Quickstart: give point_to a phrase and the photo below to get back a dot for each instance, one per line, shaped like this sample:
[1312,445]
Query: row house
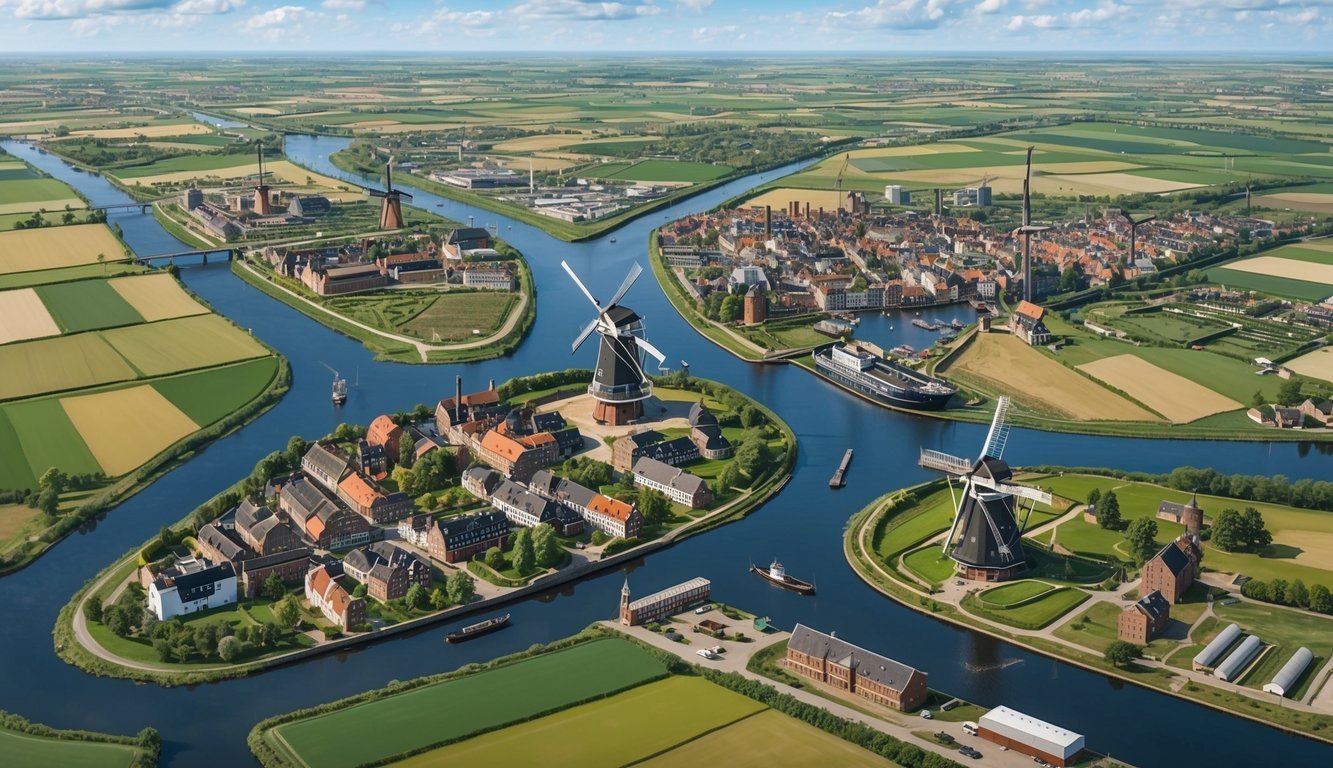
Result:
[839,664]
[368,501]
[325,465]
[386,570]
[329,597]
[458,539]
[611,516]
[324,520]
[678,485]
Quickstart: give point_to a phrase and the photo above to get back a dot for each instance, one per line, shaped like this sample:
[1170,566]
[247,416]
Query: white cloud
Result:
[1105,12]
[698,6]
[584,10]
[893,14]
[87,9]
[991,6]
[708,34]
[277,17]
[344,5]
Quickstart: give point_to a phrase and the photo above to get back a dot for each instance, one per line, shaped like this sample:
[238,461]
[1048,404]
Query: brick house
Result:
[385,434]
[1144,620]
[325,466]
[326,522]
[517,458]
[460,538]
[839,664]
[659,605]
[368,501]
[290,565]
[678,485]
[707,435]
[386,570]
[1027,324]
[265,531]
[608,515]
[337,604]
[1171,571]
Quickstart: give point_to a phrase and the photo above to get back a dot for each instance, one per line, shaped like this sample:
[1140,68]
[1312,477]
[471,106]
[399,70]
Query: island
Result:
[422,517]
[1202,585]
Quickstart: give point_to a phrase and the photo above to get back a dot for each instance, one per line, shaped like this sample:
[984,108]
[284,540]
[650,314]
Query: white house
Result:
[192,591]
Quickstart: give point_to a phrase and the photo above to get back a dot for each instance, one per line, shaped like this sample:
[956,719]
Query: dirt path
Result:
[422,348]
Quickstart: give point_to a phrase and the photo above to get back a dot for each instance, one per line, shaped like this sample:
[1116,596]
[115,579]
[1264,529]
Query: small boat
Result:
[339,390]
[956,324]
[612,240]
[777,575]
[478,629]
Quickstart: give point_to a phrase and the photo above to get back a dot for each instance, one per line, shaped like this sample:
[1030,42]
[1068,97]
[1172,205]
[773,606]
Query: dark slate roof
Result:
[485,476]
[516,495]
[700,415]
[468,233]
[197,585]
[226,546]
[549,422]
[257,563]
[566,516]
[248,513]
[986,525]
[675,451]
[579,495]
[872,666]
[306,497]
[326,460]
[487,525]
[544,482]
[713,438]
[1154,604]
[645,438]
[1174,558]
[666,474]
[568,439]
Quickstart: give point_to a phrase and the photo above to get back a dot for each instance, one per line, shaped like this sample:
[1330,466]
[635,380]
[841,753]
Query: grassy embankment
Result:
[25,743]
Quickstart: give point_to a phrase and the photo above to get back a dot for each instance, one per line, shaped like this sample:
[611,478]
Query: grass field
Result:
[58,364]
[126,427]
[931,564]
[1004,364]
[455,708]
[1033,615]
[1014,593]
[25,250]
[23,316]
[767,740]
[32,193]
[207,397]
[22,750]
[1170,394]
[1285,629]
[48,276]
[453,316]
[1098,627]
[183,344]
[45,438]
[86,305]
[157,297]
[1298,271]
[925,518]
[617,731]
[669,171]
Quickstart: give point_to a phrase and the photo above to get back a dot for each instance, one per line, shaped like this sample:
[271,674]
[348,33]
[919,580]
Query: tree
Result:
[416,596]
[495,558]
[1070,280]
[1094,496]
[1298,595]
[53,480]
[101,259]
[654,507]
[1290,392]
[117,621]
[1121,653]
[460,588]
[1320,599]
[229,648]
[1108,512]
[287,612]
[273,588]
[728,478]
[1258,399]
[1142,536]
[1235,531]
[360,590]
[733,306]
[92,608]
[523,557]
[545,546]
[296,448]
[438,600]
[406,480]
[407,449]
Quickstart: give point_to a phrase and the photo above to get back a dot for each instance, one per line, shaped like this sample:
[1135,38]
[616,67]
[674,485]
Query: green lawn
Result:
[667,170]
[930,564]
[1014,593]
[455,708]
[1033,615]
[22,750]
[44,436]
[205,162]
[35,191]
[1288,630]
[244,614]
[209,396]
[86,305]
[1096,628]
[918,522]
[455,315]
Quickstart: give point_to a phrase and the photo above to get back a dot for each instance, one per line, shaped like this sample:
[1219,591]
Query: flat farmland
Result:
[1304,270]
[86,305]
[183,344]
[25,250]
[23,195]
[157,297]
[154,131]
[783,197]
[126,427]
[1314,202]
[42,434]
[452,709]
[616,731]
[207,397]
[23,750]
[1006,365]
[1301,271]
[24,316]
[1317,364]
[767,740]
[58,364]
[1170,394]
[670,171]
[455,315]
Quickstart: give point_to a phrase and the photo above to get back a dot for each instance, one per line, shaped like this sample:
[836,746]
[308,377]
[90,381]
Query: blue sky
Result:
[706,26]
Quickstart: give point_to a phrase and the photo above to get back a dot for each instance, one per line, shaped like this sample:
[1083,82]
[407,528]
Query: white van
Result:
[970,728]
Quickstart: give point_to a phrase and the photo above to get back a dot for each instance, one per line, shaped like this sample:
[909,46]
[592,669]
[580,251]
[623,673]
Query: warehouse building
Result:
[1287,677]
[659,605]
[1026,734]
[1239,659]
[1206,659]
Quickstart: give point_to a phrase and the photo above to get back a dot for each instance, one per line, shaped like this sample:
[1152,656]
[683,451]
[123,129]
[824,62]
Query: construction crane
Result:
[837,182]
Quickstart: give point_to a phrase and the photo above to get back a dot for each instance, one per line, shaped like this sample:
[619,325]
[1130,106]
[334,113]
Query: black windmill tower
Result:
[391,205]
[986,539]
[263,204]
[619,384]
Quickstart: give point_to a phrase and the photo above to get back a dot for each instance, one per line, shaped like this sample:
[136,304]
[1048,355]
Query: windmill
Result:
[1134,232]
[391,210]
[263,203]
[1027,229]
[619,384]
[989,544]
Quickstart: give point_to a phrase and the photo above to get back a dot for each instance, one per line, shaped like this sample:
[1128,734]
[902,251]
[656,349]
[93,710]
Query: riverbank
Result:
[25,743]
[77,645]
[889,581]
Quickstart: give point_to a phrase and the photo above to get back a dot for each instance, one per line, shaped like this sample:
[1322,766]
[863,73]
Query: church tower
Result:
[625,617]
[1191,516]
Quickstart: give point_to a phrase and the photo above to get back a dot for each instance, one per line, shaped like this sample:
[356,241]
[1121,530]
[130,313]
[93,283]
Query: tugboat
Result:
[339,389]
[478,629]
[777,574]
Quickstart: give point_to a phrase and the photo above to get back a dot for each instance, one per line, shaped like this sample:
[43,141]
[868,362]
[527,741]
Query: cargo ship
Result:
[478,629]
[882,379]
[776,574]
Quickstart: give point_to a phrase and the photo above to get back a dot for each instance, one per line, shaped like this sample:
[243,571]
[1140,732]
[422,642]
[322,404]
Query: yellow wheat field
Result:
[1112,183]
[282,169]
[27,206]
[24,316]
[157,297]
[59,364]
[1170,394]
[1300,201]
[26,250]
[829,199]
[1039,383]
[126,427]
[1291,269]
[183,344]
[1317,364]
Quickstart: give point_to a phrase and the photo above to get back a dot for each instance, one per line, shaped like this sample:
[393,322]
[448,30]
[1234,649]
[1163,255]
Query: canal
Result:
[206,725]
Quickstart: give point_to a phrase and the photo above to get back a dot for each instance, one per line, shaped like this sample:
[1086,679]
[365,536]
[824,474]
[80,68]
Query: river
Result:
[206,725]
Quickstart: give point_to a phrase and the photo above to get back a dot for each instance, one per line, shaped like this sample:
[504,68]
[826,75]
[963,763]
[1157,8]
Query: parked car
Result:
[707,654]
[1039,761]
[944,737]
[703,609]
[970,728]
[969,752]
[926,714]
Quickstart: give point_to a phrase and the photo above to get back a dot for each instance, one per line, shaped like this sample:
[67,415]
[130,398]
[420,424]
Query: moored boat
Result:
[339,390]
[882,379]
[777,574]
[478,629]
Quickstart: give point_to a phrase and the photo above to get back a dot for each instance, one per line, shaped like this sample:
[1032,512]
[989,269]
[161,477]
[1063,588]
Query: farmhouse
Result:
[325,521]
[338,606]
[325,466]
[190,587]
[385,434]
[460,538]
[1023,733]
[659,605]
[837,663]
[679,486]
[1189,514]
[1144,620]
[1171,571]
[1026,323]
[707,434]
[386,570]
[368,501]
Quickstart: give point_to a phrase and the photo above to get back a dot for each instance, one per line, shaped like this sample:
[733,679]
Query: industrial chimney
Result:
[458,399]
[768,221]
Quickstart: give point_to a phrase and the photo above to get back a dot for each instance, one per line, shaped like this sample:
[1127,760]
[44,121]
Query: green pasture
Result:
[1287,630]
[455,315]
[1298,253]
[930,564]
[44,437]
[1130,139]
[1033,615]
[918,522]
[87,305]
[452,709]
[650,720]
[209,396]
[24,186]
[1013,593]
[1270,284]
[668,170]
[203,162]
[1098,627]
[23,750]
[48,276]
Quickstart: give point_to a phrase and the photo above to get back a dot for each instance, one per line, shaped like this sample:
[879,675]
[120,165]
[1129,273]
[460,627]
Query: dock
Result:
[839,478]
